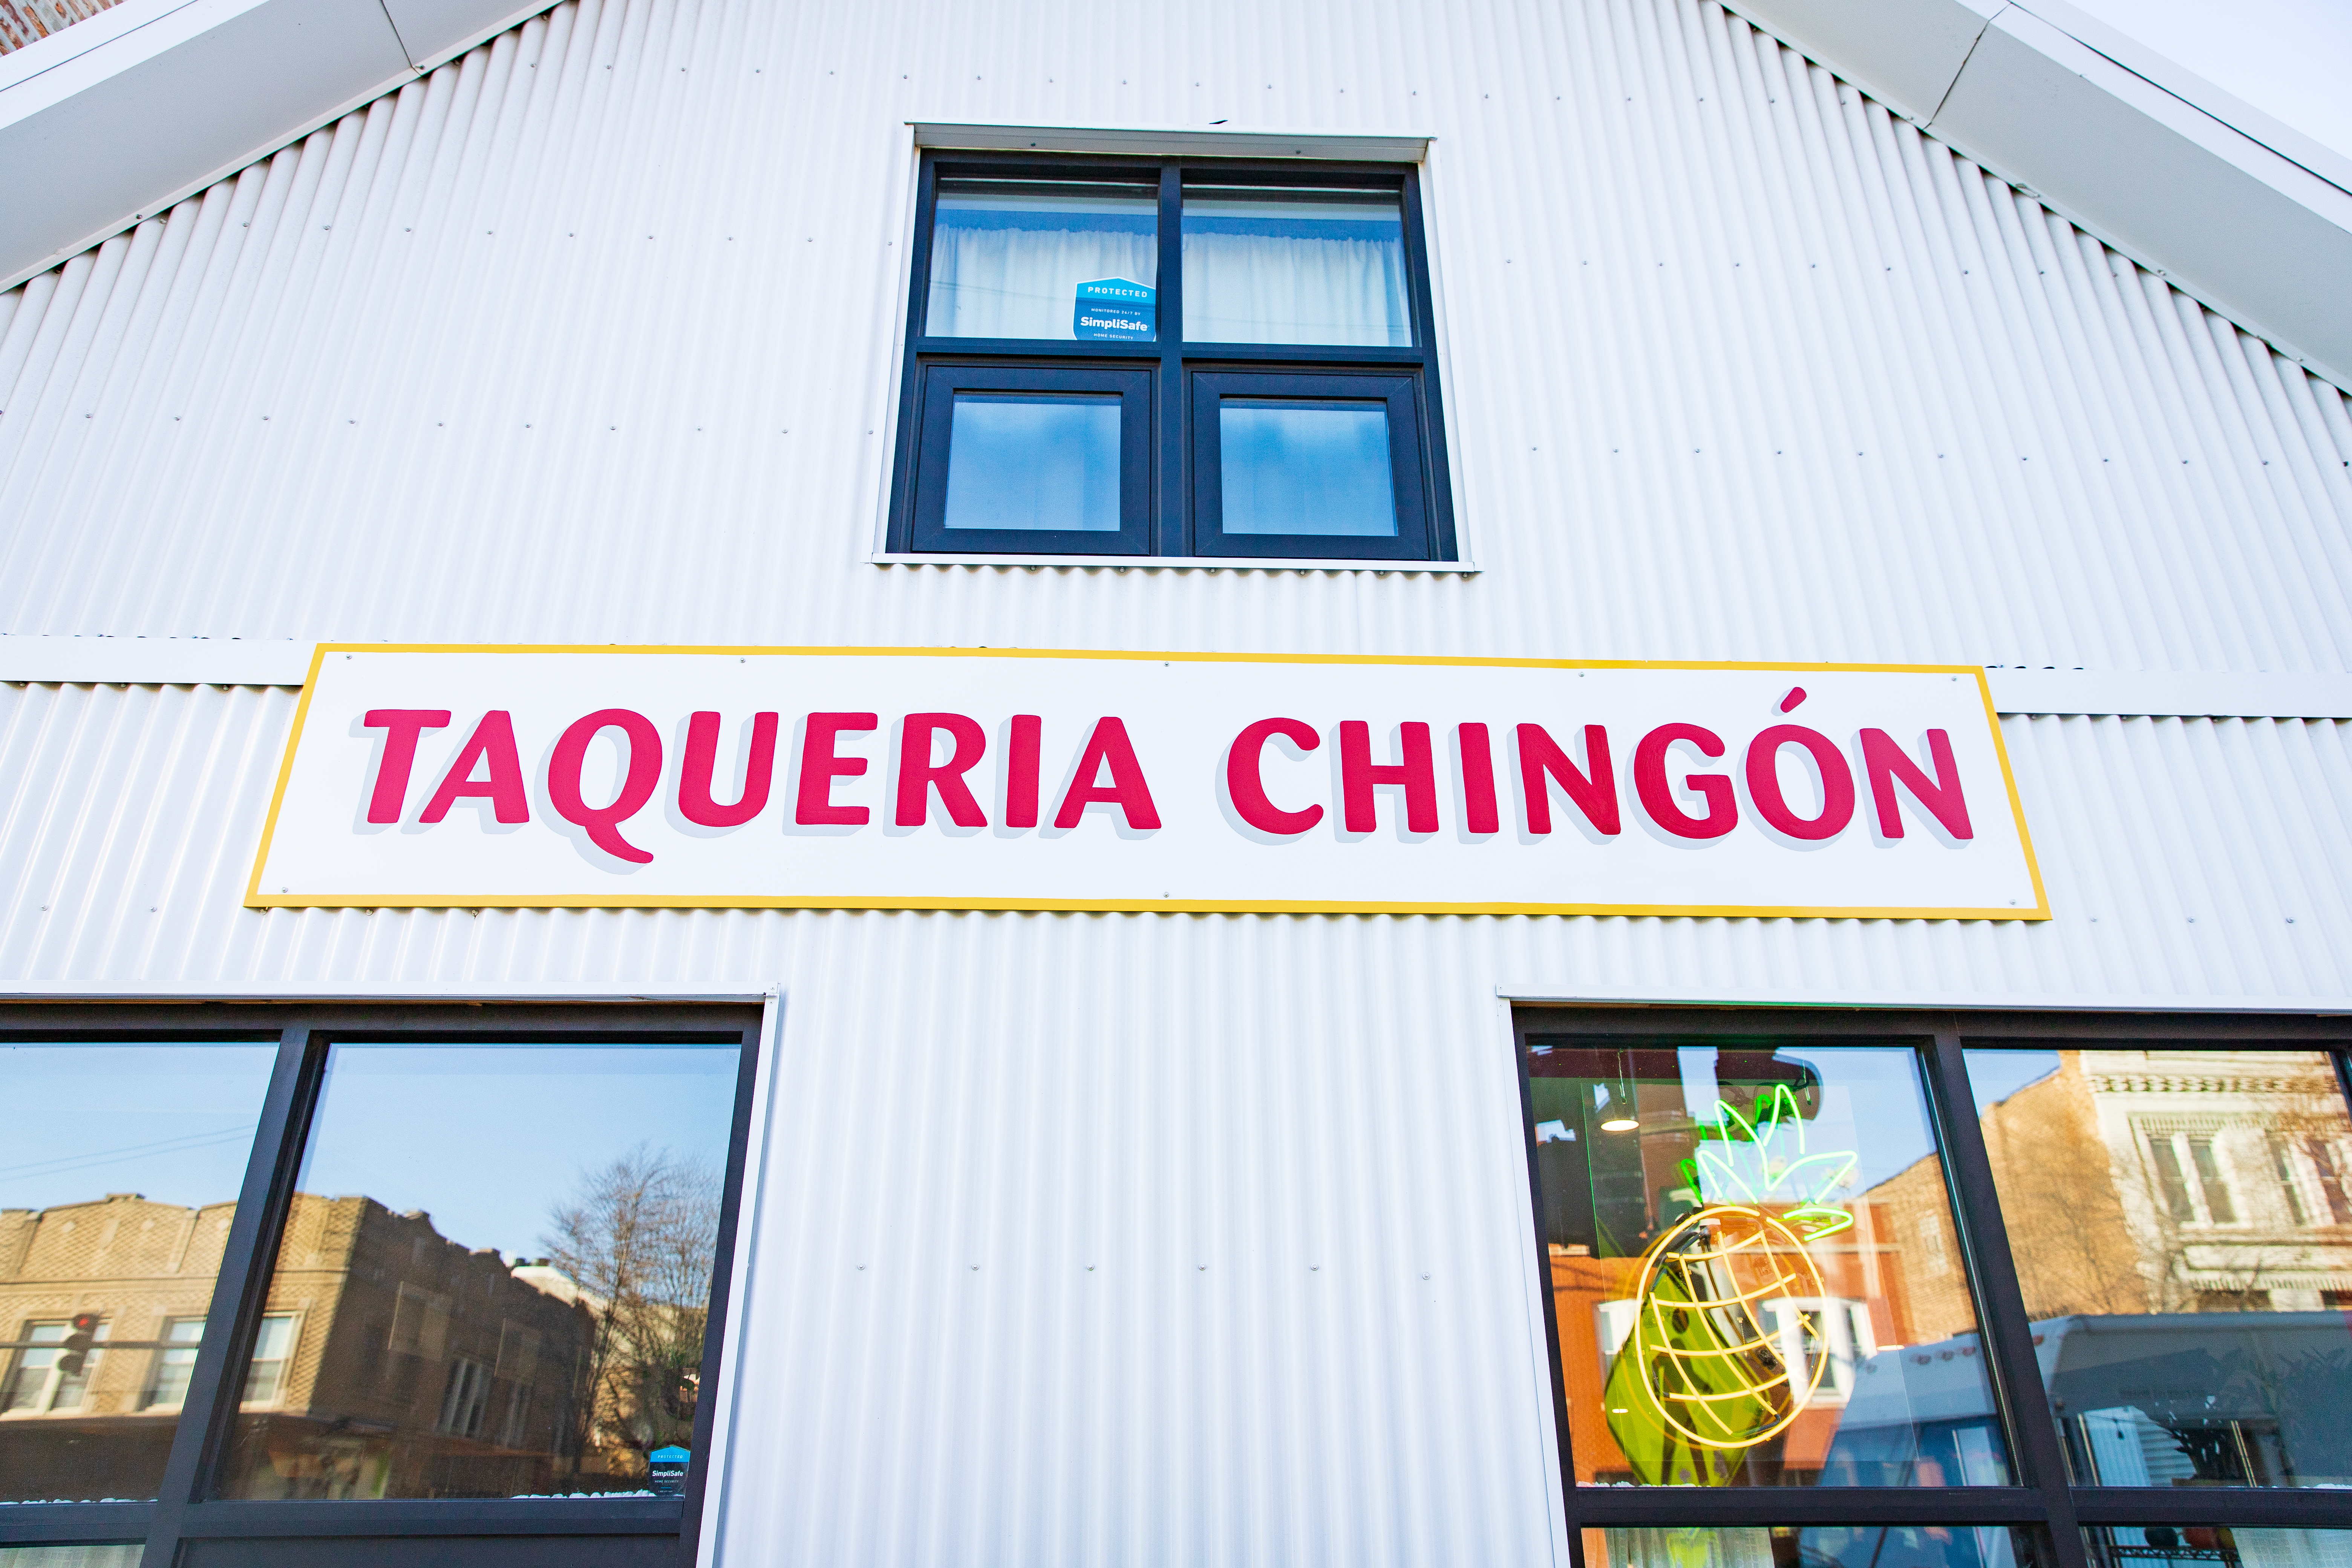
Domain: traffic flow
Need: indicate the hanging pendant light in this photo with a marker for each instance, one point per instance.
(1618, 1100)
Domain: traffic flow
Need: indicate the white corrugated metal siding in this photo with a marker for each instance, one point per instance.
(2192, 863)
(589, 336)
(1165, 1239)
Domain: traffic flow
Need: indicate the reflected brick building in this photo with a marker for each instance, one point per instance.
(390, 1360)
(144, 1269)
(2136, 1182)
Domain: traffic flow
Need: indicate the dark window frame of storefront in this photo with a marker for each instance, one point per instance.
(186, 1526)
(1162, 516)
(2044, 1496)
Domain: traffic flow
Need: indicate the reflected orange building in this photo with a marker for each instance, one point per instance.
(390, 1361)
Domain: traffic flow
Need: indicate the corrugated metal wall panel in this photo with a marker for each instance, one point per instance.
(588, 337)
(1165, 1238)
(2190, 862)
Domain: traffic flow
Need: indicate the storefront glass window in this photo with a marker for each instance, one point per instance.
(2183, 1239)
(1819, 1546)
(118, 1178)
(2215, 1546)
(1755, 1272)
(1291, 266)
(495, 1277)
(1044, 258)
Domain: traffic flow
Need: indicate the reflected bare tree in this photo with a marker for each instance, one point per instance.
(639, 1239)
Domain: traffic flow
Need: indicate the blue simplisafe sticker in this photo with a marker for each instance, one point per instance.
(1114, 308)
(667, 1471)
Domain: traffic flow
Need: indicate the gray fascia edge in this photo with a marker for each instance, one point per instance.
(1175, 140)
(162, 99)
(2254, 226)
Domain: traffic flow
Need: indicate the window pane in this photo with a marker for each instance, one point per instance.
(1043, 258)
(1754, 1268)
(495, 1276)
(108, 1554)
(1036, 462)
(118, 1177)
(1266, 265)
(175, 1361)
(1820, 1546)
(2181, 1232)
(2215, 1546)
(1297, 467)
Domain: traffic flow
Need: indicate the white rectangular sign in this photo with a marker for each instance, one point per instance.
(929, 778)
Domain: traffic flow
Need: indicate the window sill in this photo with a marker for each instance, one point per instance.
(1185, 563)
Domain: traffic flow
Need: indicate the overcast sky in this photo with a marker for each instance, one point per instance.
(2290, 59)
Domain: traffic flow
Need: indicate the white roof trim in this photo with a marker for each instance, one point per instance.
(111, 120)
(1176, 140)
(2239, 211)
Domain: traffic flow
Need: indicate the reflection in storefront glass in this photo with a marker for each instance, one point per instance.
(1754, 1268)
(2215, 1546)
(1044, 258)
(495, 1277)
(2183, 1237)
(118, 1177)
(1829, 1546)
(91, 1554)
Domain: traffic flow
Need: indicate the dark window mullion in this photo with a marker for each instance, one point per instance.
(242, 1289)
(70, 1523)
(2245, 1508)
(1733, 1507)
(1171, 529)
(710, 1390)
(1571, 1493)
(899, 534)
(1310, 357)
(938, 349)
(2036, 1454)
(1435, 478)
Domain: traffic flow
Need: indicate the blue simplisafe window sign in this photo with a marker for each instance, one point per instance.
(667, 1471)
(1114, 308)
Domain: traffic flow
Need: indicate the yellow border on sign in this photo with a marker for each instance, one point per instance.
(255, 899)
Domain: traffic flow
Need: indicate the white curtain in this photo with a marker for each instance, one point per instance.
(1024, 282)
(1286, 288)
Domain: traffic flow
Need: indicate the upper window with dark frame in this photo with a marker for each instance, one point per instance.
(1167, 359)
